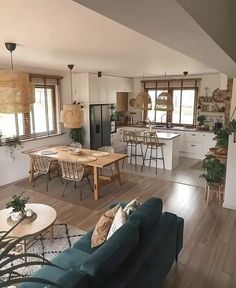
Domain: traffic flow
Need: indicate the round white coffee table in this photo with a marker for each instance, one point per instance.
(46, 216)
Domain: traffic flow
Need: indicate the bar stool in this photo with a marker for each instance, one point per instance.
(152, 142)
(131, 140)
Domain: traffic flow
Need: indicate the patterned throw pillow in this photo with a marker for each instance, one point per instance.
(118, 221)
(131, 206)
(103, 226)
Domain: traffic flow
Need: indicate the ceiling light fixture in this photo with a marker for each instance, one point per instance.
(16, 92)
(72, 115)
(143, 100)
(164, 101)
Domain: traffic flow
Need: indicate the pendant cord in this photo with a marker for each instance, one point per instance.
(11, 61)
(71, 87)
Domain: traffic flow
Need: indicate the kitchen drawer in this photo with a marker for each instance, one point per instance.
(193, 147)
(193, 137)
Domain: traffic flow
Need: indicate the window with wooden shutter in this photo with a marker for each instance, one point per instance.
(43, 120)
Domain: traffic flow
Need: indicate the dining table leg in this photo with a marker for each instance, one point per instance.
(118, 172)
(96, 182)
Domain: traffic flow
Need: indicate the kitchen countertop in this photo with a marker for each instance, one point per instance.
(177, 128)
(161, 135)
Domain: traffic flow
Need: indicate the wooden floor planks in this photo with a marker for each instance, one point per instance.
(208, 258)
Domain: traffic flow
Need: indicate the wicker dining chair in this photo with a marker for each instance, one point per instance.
(74, 172)
(43, 167)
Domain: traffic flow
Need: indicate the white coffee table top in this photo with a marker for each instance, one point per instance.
(46, 216)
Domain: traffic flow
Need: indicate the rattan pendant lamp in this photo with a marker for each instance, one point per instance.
(164, 102)
(143, 101)
(16, 92)
(72, 115)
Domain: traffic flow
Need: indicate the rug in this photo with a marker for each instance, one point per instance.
(64, 237)
(109, 192)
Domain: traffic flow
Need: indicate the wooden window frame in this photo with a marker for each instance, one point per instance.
(170, 91)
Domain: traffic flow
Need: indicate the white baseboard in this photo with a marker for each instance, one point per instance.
(228, 206)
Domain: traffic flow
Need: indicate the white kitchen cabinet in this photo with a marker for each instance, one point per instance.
(197, 144)
(117, 141)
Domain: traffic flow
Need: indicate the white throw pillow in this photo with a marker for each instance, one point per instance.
(118, 221)
(131, 206)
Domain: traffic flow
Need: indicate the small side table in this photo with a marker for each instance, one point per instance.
(218, 188)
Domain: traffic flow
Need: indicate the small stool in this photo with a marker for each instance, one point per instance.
(131, 140)
(218, 188)
(152, 142)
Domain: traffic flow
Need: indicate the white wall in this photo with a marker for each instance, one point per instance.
(10, 170)
(230, 185)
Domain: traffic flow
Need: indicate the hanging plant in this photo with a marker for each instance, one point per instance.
(11, 143)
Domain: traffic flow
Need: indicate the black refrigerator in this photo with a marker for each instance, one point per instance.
(100, 125)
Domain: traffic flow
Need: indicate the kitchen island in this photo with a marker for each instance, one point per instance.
(170, 150)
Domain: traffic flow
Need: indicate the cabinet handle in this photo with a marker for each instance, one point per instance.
(193, 145)
(193, 134)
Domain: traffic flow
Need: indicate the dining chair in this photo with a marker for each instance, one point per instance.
(43, 167)
(74, 172)
(110, 150)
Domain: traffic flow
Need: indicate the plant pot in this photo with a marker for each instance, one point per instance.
(16, 216)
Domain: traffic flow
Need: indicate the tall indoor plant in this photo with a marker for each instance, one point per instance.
(214, 170)
(77, 135)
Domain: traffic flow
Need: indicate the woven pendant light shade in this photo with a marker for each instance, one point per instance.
(164, 102)
(16, 92)
(72, 116)
(143, 101)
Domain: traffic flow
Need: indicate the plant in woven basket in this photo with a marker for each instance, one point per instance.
(222, 137)
(11, 262)
(214, 170)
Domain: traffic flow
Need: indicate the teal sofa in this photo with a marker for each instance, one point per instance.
(139, 254)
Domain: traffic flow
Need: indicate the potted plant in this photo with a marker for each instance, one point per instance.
(17, 204)
(11, 144)
(201, 119)
(214, 170)
(77, 135)
(11, 262)
(222, 140)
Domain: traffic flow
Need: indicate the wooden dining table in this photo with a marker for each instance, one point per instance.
(64, 153)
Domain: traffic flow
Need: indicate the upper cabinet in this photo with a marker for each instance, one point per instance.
(122, 101)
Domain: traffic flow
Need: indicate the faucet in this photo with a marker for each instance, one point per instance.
(162, 117)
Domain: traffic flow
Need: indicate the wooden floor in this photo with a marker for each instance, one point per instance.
(208, 258)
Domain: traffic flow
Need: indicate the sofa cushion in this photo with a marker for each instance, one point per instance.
(70, 260)
(84, 243)
(118, 221)
(146, 215)
(102, 227)
(106, 260)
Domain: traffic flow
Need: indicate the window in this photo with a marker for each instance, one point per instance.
(41, 121)
(155, 115)
(184, 106)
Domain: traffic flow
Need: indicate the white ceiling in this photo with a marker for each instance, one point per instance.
(167, 22)
(52, 34)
